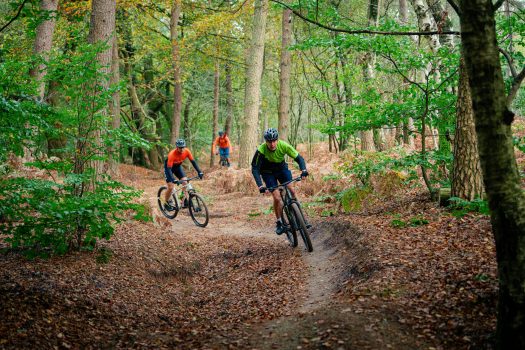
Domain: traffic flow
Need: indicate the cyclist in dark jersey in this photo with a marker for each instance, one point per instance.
(268, 162)
(173, 166)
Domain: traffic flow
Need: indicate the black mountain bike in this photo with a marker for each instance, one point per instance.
(224, 161)
(196, 206)
(293, 216)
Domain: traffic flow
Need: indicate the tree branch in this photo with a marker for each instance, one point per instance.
(454, 6)
(516, 83)
(498, 4)
(509, 61)
(16, 16)
(362, 31)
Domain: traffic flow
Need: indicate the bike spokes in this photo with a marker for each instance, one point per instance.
(198, 210)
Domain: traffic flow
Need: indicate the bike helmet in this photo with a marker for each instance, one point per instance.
(180, 143)
(271, 134)
(221, 133)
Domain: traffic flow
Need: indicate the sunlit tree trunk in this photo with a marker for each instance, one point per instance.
(500, 172)
(101, 29)
(408, 124)
(284, 76)
(467, 182)
(229, 101)
(175, 56)
(367, 136)
(114, 107)
(215, 124)
(43, 44)
(254, 63)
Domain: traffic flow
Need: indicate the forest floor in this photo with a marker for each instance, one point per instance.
(427, 283)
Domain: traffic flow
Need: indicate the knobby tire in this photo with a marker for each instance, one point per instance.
(199, 217)
(301, 225)
(170, 214)
(289, 219)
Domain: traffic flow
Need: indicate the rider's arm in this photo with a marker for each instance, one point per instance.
(301, 162)
(196, 166)
(256, 167)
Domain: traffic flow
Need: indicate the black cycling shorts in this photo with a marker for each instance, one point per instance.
(176, 170)
(281, 175)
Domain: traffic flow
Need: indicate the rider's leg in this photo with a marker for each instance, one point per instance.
(277, 204)
(170, 186)
(184, 191)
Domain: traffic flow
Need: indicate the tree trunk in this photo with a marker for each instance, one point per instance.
(254, 64)
(500, 172)
(114, 107)
(229, 102)
(367, 136)
(186, 116)
(101, 29)
(215, 127)
(175, 56)
(43, 43)
(467, 182)
(284, 77)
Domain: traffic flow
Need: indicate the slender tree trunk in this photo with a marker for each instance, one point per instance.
(467, 181)
(254, 63)
(175, 56)
(367, 136)
(229, 102)
(186, 116)
(114, 107)
(284, 77)
(215, 124)
(500, 172)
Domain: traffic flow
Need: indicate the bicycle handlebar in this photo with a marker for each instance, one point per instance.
(179, 182)
(298, 178)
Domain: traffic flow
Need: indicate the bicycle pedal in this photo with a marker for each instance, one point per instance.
(308, 225)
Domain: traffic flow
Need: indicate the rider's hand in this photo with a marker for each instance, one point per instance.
(262, 189)
(304, 173)
(201, 175)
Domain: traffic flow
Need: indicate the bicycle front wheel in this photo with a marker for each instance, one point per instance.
(289, 220)
(169, 211)
(198, 210)
(301, 225)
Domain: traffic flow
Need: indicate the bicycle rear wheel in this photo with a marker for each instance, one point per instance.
(301, 225)
(171, 211)
(289, 220)
(198, 210)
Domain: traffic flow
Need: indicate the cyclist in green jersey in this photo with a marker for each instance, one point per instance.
(268, 162)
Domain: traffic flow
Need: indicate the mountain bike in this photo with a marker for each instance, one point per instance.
(196, 206)
(224, 161)
(293, 216)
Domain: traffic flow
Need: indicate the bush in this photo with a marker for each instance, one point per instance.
(42, 217)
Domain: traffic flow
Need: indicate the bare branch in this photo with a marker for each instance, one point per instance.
(16, 15)
(509, 61)
(362, 31)
(516, 83)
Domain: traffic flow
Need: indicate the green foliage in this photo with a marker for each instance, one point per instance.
(519, 143)
(459, 207)
(43, 217)
(352, 198)
(104, 255)
(415, 221)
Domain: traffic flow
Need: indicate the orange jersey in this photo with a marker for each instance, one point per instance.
(222, 142)
(176, 158)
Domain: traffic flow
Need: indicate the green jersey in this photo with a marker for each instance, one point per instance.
(277, 156)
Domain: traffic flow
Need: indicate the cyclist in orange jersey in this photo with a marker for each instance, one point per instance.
(173, 166)
(224, 146)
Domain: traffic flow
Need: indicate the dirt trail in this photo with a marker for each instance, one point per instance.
(319, 319)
